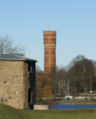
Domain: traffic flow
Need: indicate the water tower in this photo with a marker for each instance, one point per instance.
(49, 51)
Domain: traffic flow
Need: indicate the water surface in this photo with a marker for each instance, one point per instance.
(65, 107)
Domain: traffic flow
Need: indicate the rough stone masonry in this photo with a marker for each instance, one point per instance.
(17, 81)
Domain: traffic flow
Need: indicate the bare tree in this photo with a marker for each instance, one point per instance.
(82, 74)
(59, 82)
(7, 47)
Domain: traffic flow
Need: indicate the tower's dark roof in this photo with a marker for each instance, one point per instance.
(15, 57)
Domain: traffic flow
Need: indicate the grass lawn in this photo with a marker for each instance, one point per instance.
(73, 114)
(7, 112)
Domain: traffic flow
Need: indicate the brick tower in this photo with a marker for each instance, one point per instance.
(49, 51)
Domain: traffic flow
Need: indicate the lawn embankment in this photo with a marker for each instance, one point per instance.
(7, 112)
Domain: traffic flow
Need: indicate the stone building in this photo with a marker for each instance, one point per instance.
(49, 51)
(17, 80)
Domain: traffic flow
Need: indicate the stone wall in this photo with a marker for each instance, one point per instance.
(14, 83)
(40, 107)
(26, 84)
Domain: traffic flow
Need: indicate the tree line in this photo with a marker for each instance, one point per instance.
(78, 78)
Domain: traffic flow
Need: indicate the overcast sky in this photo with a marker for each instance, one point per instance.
(74, 20)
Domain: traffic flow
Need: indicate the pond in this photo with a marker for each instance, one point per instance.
(68, 107)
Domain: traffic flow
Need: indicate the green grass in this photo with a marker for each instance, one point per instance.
(7, 112)
(71, 114)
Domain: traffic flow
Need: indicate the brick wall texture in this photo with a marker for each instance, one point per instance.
(49, 51)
